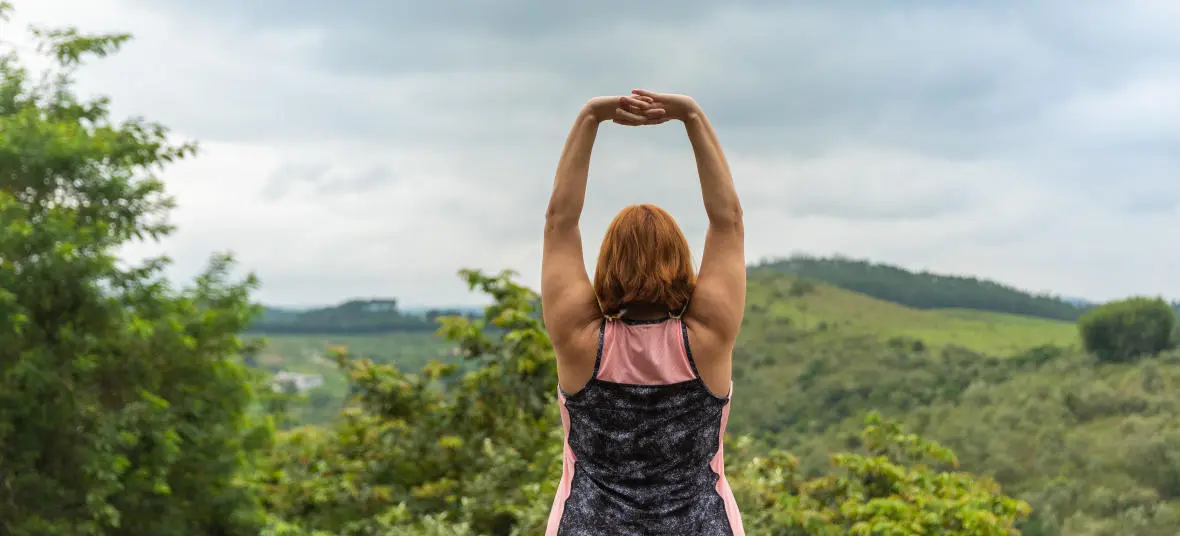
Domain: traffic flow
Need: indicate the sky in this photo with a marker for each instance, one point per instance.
(374, 148)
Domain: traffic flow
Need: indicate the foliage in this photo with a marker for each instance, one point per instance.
(887, 490)
(123, 406)
(925, 290)
(1126, 329)
(1085, 443)
(305, 354)
(480, 454)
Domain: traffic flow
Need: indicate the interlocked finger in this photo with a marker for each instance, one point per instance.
(625, 116)
(639, 103)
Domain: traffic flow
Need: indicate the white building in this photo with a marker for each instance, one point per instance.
(301, 382)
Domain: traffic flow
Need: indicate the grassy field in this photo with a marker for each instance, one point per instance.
(830, 312)
(306, 353)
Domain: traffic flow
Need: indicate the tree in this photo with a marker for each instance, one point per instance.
(1126, 329)
(124, 408)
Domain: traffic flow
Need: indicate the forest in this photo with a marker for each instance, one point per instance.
(127, 406)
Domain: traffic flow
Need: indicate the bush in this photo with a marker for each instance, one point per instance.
(901, 484)
(801, 287)
(1123, 330)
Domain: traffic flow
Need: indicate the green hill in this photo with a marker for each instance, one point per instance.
(925, 290)
(1093, 447)
(815, 310)
(854, 352)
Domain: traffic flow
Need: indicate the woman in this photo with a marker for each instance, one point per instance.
(644, 354)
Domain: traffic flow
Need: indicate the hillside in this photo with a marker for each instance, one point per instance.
(874, 352)
(1091, 446)
(925, 290)
(817, 310)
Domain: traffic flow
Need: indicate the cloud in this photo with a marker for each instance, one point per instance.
(320, 178)
(374, 148)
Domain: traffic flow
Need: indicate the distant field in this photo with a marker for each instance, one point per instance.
(838, 312)
(308, 353)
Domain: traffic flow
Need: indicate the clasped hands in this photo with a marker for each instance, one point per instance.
(642, 107)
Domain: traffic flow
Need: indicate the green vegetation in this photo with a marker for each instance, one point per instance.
(1090, 446)
(311, 354)
(124, 408)
(784, 307)
(297, 341)
(1127, 329)
(127, 406)
(925, 290)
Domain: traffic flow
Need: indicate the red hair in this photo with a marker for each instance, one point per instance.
(644, 259)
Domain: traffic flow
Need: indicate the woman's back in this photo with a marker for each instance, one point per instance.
(643, 450)
(643, 423)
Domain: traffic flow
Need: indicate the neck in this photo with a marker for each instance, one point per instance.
(645, 311)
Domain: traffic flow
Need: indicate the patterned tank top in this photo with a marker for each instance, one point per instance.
(643, 449)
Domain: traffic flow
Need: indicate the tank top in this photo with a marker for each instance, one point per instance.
(643, 449)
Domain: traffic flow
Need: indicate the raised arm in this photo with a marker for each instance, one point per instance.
(567, 297)
(719, 300)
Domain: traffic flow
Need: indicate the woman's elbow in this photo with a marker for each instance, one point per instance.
(558, 220)
(729, 216)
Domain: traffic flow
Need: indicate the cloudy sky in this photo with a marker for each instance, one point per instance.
(373, 148)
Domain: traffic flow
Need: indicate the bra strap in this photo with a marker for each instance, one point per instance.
(598, 352)
(680, 314)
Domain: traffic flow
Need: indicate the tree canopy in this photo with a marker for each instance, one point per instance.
(124, 408)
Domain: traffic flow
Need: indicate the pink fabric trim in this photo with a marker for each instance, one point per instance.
(567, 472)
(644, 354)
(723, 489)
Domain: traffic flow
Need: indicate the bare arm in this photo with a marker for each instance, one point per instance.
(719, 300)
(567, 297)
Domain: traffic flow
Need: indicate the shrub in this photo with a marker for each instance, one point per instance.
(1124, 330)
